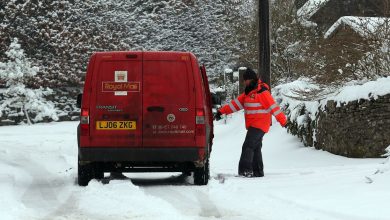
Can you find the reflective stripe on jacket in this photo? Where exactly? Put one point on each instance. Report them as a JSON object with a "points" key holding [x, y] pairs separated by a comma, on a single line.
{"points": [[259, 106]]}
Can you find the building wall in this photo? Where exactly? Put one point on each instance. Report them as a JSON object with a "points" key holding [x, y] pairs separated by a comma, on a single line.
{"points": [[344, 46], [299, 3]]}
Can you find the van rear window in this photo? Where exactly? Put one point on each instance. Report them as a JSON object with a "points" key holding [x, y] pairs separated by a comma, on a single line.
{"points": [[166, 82]]}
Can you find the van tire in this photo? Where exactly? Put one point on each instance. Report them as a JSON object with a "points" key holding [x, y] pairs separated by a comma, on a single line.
{"points": [[202, 174], [85, 173], [186, 173]]}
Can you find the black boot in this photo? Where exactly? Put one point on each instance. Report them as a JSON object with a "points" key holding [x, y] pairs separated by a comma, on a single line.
{"points": [[258, 174], [247, 174]]}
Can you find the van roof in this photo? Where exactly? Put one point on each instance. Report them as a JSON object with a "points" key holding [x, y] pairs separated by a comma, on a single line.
{"points": [[149, 55]]}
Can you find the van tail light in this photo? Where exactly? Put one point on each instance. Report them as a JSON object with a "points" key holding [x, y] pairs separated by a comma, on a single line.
{"points": [[84, 122], [200, 129]]}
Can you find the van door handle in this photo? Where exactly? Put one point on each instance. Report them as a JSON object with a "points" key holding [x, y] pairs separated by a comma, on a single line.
{"points": [[155, 109]]}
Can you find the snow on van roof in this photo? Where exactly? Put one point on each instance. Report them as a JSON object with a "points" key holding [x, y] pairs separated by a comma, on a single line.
{"points": [[364, 26], [308, 10]]}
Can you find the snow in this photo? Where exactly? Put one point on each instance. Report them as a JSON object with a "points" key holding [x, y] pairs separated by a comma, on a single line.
{"points": [[38, 181], [368, 90], [289, 97], [311, 7], [75, 29], [119, 193], [364, 26], [16, 72], [387, 152], [227, 70], [217, 89], [18, 66]]}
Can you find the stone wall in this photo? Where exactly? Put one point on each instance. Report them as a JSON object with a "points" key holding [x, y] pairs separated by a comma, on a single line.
{"points": [[358, 129]]}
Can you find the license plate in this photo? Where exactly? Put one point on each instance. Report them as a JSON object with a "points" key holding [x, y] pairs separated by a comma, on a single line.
{"points": [[116, 125]]}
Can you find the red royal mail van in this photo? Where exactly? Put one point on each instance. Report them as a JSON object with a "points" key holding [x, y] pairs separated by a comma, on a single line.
{"points": [[144, 112]]}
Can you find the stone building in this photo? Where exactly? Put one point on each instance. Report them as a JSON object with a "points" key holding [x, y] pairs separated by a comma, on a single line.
{"points": [[325, 13], [351, 36], [350, 28], [328, 14]]}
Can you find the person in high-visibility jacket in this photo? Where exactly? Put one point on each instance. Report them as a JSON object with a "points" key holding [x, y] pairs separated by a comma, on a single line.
{"points": [[259, 106]]}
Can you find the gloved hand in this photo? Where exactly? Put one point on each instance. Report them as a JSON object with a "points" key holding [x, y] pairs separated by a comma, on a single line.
{"points": [[286, 124], [218, 116]]}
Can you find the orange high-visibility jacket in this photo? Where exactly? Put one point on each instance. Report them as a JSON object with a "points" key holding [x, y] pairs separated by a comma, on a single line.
{"points": [[258, 106]]}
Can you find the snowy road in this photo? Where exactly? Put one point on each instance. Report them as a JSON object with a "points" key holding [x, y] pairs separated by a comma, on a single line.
{"points": [[38, 174]]}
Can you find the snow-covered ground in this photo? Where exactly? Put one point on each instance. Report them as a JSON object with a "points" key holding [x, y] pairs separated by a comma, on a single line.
{"points": [[38, 181]]}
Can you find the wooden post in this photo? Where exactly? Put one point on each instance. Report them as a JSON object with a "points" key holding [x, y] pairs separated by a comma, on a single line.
{"points": [[264, 42], [229, 74]]}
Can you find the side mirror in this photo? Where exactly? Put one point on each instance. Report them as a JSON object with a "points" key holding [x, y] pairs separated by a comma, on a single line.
{"points": [[79, 99]]}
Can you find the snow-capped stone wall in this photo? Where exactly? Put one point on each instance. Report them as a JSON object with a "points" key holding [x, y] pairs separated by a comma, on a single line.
{"points": [[360, 128], [353, 121]]}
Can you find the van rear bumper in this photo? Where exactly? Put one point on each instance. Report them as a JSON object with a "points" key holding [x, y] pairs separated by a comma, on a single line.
{"points": [[166, 154]]}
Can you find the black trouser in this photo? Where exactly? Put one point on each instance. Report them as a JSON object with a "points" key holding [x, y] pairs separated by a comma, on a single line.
{"points": [[251, 158]]}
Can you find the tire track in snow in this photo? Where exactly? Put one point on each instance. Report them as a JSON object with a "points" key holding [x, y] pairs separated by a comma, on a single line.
{"points": [[328, 213], [190, 201], [42, 194]]}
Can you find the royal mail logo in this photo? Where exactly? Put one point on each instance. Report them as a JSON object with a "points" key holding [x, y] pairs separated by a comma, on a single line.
{"points": [[120, 77], [121, 87]]}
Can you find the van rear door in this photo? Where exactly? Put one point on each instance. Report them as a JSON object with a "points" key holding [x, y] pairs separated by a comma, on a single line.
{"points": [[169, 100], [209, 103], [116, 108]]}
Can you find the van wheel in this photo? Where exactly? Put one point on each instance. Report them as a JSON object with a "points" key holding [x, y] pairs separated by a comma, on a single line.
{"points": [[186, 173], [85, 173], [202, 174]]}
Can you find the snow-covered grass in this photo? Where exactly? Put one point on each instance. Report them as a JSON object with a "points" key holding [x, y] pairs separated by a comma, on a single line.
{"points": [[38, 174]]}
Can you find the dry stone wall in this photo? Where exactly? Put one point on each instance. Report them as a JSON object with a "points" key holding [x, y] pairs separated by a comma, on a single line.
{"points": [[357, 129]]}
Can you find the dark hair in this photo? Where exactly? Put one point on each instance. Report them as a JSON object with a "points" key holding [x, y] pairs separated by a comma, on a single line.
{"points": [[250, 74]]}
